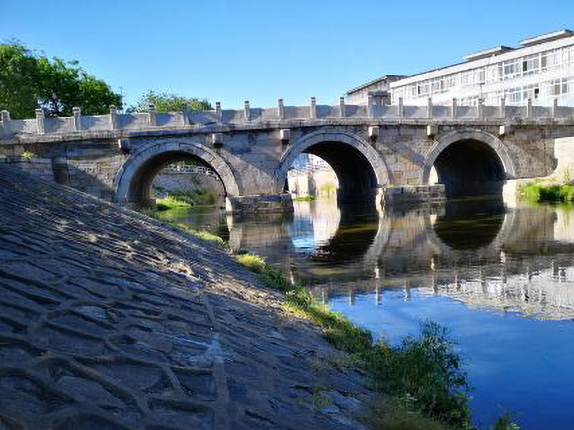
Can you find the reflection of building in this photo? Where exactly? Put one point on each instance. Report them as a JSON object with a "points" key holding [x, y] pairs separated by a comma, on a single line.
{"points": [[541, 69], [312, 176]]}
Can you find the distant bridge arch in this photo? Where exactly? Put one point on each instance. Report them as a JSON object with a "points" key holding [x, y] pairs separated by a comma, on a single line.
{"points": [[133, 181]]}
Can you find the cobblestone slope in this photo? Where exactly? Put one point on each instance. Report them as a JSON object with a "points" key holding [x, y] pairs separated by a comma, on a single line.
{"points": [[110, 321]]}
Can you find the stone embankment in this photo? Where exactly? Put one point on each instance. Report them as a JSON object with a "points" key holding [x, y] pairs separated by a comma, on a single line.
{"points": [[110, 320]]}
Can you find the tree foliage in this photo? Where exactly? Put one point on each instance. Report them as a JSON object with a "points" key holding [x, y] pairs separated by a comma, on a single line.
{"points": [[165, 102], [29, 80]]}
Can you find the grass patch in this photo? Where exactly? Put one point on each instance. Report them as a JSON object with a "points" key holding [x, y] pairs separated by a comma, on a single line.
{"points": [[253, 262], [304, 199], [423, 369], [394, 413], [544, 192], [202, 234], [170, 202], [197, 197]]}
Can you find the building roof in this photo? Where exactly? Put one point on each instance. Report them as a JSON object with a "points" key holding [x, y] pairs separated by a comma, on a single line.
{"points": [[376, 81], [489, 52], [546, 37]]}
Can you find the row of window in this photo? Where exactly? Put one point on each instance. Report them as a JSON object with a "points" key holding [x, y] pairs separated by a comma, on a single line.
{"points": [[545, 91], [506, 70]]}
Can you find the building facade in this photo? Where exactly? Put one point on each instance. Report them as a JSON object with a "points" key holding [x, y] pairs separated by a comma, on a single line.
{"points": [[541, 69]]}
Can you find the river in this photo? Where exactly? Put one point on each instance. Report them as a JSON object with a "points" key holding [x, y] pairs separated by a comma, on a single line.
{"points": [[501, 279]]}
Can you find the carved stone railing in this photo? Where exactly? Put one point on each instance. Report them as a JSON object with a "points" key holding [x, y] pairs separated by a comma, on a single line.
{"points": [[253, 116]]}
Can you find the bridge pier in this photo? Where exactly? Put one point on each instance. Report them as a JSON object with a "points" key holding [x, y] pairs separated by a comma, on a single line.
{"points": [[413, 194], [262, 203]]}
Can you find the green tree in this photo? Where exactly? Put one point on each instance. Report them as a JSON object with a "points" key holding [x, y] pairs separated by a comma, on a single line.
{"points": [[165, 102], [29, 80]]}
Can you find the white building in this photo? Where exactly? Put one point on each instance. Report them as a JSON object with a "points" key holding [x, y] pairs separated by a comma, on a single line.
{"points": [[541, 69]]}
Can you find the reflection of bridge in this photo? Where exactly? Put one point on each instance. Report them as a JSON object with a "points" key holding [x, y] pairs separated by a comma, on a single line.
{"points": [[374, 149], [519, 267]]}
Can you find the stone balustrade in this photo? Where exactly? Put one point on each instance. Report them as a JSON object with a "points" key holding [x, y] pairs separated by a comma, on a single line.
{"points": [[254, 117]]}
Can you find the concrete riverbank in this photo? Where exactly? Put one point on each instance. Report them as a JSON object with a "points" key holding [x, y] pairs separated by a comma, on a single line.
{"points": [[110, 320]]}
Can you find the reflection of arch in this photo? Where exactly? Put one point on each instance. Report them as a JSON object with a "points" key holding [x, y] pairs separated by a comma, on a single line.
{"points": [[326, 143], [479, 141], [496, 244], [133, 180]]}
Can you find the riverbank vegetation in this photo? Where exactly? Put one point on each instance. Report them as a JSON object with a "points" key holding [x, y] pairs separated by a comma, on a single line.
{"points": [[420, 382], [202, 234], [538, 192], [177, 199], [306, 198]]}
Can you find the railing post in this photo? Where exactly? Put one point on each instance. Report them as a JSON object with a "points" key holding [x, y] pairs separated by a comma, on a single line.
{"points": [[280, 109], [77, 112], [5, 116], [342, 107], [429, 107], [247, 110], [554, 112], [40, 121], [218, 115], [480, 108], [529, 109], [152, 115], [113, 117], [313, 108], [454, 108], [503, 107], [370, 103], [401, 108], [185, 113]]}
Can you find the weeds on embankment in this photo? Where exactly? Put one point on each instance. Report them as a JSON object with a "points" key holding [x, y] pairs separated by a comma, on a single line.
{"points": [[545, 192], [202, 234], [420, 383]]}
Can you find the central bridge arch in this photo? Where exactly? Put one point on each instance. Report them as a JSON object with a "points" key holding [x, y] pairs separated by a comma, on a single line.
{"points": [[133, 181], [469, 162], [360, 169]]}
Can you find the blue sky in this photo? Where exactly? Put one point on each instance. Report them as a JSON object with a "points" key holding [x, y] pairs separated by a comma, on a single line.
{"points": [[230, 51]]}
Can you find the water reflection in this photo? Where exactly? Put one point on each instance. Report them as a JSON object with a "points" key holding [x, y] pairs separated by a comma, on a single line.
{"points": [[501, 279], [476, 251]]}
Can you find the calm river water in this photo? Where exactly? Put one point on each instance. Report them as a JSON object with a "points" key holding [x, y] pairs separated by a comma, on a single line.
{"points": [[501, 279]]}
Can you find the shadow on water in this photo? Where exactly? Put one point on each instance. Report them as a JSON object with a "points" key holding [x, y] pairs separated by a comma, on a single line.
{"points": [[470, 223]]}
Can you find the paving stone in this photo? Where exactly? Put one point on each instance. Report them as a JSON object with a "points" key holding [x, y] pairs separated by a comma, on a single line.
{"points": [[111, 321]]}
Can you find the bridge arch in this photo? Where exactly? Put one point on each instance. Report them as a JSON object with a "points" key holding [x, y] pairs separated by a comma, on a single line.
{"points": [[359, 167], [133, 181], [469, 162]]}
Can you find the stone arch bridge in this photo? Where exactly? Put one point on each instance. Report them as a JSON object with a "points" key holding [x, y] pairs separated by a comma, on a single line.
{"points": [[377, 151]]}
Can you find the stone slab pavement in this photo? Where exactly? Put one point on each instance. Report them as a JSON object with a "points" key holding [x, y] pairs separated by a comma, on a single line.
{"points": [[109, 321]]}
